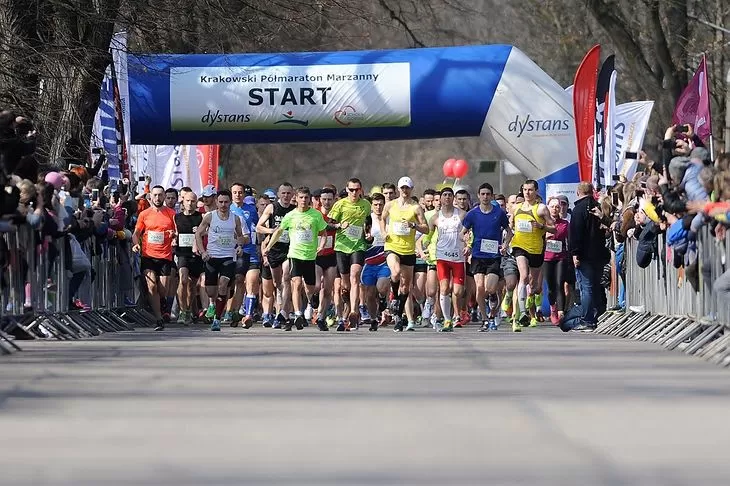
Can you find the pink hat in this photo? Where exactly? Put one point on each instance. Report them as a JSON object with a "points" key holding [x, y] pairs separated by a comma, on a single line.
{"points": [[55, 179]]}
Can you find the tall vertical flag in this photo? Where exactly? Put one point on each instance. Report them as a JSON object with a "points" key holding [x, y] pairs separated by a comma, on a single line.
{"points": [[584, 110], [693, 105], [630, 125], [207, 157], [609, 125], [599, 140]]}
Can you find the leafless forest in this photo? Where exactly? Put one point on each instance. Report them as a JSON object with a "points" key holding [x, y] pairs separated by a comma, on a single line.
{"points": [[53, 53]]}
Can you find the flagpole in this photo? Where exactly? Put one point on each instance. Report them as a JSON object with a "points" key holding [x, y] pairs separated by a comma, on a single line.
{"points": [[709, 109]]}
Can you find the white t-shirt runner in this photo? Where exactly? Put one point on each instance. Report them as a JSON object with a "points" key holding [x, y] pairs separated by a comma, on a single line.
{"points": [[449, 245], [222, 236]]}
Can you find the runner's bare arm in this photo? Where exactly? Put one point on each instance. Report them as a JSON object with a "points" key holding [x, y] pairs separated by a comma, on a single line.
{"points": [[421, 223], [241, 237], [383, 219], [201, 230], [273, 239], [262, 226], [543, 211]]}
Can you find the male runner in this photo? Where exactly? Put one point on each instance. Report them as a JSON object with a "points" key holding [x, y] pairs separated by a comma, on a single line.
{"points": [[189, 263], [404, 217], [275, 274], [208, 196], [463, 202], [225, 241], [389, 191], [487, 222], [171, 198], [326, 261], [375, 276], [349, 215], [450, 254], [167, 304], [531, 221], [428, 197], [304, 225], [247, 214], [156, 228]]}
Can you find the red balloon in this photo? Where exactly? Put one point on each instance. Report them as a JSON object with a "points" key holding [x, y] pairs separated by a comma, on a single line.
{"points": [[460, 168], [449, 168]]}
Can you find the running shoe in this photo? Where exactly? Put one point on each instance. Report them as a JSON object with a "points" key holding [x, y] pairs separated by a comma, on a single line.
{"points": [[210, 313], [398, 326], [539, 316], [288, 324], [181, 317], [533, 322], [385, 319], [341, 326], [411, 326], [159, 325], [308, 312], [554, 315], [427, 311], [267, 322], [228, 319], [485, 326], [524, 320], [353, 320], [276, 324], [247, 322], [494, 323], [299, 322], [448, 327], [516, 327], [364, 314], [330, 321], [322, 325], [216, 325], [373, 325], [474, 314]]}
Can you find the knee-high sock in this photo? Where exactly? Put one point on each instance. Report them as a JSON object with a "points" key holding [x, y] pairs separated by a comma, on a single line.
{"points": [[445, 301], [521, 296]]}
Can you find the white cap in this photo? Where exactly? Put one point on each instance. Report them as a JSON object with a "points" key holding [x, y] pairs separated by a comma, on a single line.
{"points": [[209, 190], [405, 181]]}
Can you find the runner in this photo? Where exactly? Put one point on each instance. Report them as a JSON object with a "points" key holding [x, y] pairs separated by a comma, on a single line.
{"points": [[467, 300], [375, 274], [428, 198], [558, 267], [225, 241], [530, 223], [304, 225], [326, 262], [156, 228], [389, 191], [450, 253], [349, 215], [275, 274], [404, 217], [171, 199], [432, 307], [487, 223], [247, 214], [189, 263], [208, 199]]}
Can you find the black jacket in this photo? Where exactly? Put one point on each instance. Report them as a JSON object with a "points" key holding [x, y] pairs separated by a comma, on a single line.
{"points": [[587, 239]]}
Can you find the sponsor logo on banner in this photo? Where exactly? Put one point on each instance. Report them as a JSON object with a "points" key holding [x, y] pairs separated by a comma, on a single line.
{"points": [[631, 123], [528, 125], [693, 106], [602, 94], [286, 97]]}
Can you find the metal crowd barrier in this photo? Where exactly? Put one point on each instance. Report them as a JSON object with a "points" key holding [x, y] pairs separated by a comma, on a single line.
{"points": [[36, 300], [663, 307]]}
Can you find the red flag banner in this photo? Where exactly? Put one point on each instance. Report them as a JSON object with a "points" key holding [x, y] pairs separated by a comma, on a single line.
{"points": [[693, 106], [207, 156], [584, 110]]}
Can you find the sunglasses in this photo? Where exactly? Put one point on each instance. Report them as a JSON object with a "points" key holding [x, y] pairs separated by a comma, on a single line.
{"points": [[353, 189]]}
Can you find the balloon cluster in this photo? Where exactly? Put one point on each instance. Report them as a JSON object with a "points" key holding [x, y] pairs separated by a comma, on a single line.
{"points": [[457, 168]]}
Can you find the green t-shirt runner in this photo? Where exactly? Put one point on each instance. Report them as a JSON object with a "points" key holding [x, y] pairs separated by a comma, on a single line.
{"points": [[303, 228], [350, 239]]}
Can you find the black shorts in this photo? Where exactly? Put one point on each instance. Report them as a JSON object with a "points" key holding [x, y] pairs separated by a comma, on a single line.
{"points": [[346, 260], [486, 266], [162, 267], [405, 260], [219, 267], [304, 269], [535, 260], [468, 270], [243, 263], [193, 263], [275, 261], [431, 268], [420, 268], [326, 262]]}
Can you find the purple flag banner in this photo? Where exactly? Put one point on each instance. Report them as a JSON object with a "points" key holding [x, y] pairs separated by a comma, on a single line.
{"points": [[693, 106]]}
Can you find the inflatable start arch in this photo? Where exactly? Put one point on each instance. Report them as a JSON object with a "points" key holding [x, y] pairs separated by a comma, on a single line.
{"points": [[494, 92]]}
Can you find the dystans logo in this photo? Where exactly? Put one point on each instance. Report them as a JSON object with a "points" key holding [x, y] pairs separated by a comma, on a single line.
{"points": [[347, 115], [289, 118], [538, 126]]}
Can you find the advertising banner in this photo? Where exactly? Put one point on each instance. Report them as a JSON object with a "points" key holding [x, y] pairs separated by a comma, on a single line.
{"points": [[599, 139], [631, 123], [693, 106], [583, 93]]}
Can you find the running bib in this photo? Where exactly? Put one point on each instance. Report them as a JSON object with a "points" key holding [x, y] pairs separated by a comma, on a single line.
{"points": [[225, 241], [354, 232], [328, 243], [156, 237], [524, 226], [554, 246], [400, 228], [378, 240], [489, 246], [284, 238], [448, 255], [303, 237], [186, 240]]}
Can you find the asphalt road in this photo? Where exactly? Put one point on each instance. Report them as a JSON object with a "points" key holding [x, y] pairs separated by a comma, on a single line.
{"points": [[268, 407]]}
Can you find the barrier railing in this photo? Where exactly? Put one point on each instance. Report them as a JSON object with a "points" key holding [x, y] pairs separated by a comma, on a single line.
{"points": [[664, 307], [41, 278]]}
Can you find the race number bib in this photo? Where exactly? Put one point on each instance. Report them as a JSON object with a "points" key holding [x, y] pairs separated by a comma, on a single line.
{"points": [[328, 242], [448, 255], [401, 228], [225, 241], [524, 226], [302, 237], [186, 240], [354, 232], [489, 246], [378, 240], [156, 237], [554, 246], [284, 238]]}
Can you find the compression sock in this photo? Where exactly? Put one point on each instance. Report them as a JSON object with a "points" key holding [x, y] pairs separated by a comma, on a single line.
{"points": [[521, 296], [445, 301]]}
